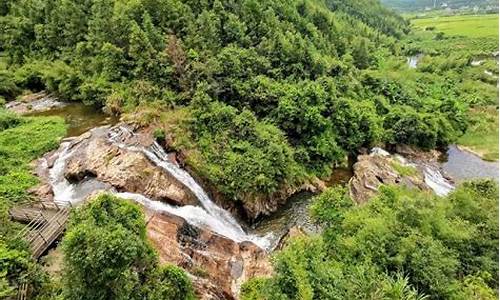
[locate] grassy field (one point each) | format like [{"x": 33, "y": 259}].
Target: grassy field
[
  {"x": 467, "y": 37},
  {"x": 482, "y": 135},
  {"x": 467, "y": 26}
]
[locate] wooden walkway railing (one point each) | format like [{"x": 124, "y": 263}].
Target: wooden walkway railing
[
  {"x": 45, "y": 223},
  {"x": 22, "y": 294}
]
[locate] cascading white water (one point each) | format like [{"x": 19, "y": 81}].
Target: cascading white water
[
  {"x": 413, "y": 61},
  {"x": 432, "y": 177},
  {"x": 435, "y": 180},
  {"x": 211, "y": 215},
  {"x": 208, "y": 215},
  {"x": 63, "y": 190}
]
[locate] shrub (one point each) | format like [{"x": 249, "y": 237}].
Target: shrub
[
  {"x": 159, "y": 134},
  {"x": 8, "y": 119},
  {"x": 107, "y": 256},
  {"x": 446, "y": 247}
]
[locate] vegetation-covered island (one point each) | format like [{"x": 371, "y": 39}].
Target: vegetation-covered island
[{"x": 248, "y": 149}]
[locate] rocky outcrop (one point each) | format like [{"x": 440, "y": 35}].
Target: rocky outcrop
[
  {"x": 37, "y": 102},
  {"x": 380, "y": 168},
  {"x": 217, "y": 264},
  {"x": 415, "y": 154},
  {"x": 265, "y": 205},
  {"x": 92, "y": 157},
  {"x": 127, "y": 171},
  {"x": 257, "y": 206}
]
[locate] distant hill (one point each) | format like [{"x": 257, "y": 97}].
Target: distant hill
[{"x": 414, "y": 5}]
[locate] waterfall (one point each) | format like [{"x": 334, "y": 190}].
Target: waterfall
[
  {"x": 413, "y": 61},
  {"x": 432, "y": 176},
  {"x": 435, "y": 180},
  {"x": 207, "y": 215},
  {"x": 63, "y": 190},
  {"x": 210, "y": 214}
]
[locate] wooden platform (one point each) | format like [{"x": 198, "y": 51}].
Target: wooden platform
[{"x": 44, "y": 224}]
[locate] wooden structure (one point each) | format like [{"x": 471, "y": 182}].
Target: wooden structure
[{"x": 45, "y": 224}]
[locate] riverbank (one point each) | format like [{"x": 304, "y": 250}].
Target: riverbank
[{"x": 481, "y": 138}]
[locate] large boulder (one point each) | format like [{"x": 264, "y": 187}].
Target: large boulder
[
  {"x": 218, "y": 265},
  {"x": 381, "y": 168},
  {"x": 93, "y": 162},
  {"x": 32, "y": 103},
  {"x": 126, "y": 170}
]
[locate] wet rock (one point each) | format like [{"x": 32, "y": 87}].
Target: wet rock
[
  {"x": 265, "y": 205},
  {"x": 378, "y": 168},
  {"x": 218, "y": 265},
  {"x": 36, "y": 102},
  {"x": 93, "y": 156}
]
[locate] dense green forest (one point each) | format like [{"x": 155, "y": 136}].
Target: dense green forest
[{"x": 262, "y": 95}]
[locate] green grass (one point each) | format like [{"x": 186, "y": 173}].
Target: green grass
[
  {"x": 403, "y": 170},
  {"x": 467, "y": 37},
  {"x": 467, "y": 26},
  {"x": 21, "y": 141},
  {"x": 482, "y": 135}
]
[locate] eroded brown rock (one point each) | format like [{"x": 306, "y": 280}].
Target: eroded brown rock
[
  {"x": 217, "y": 264},
  {"x": 371, "y": 171},
  {"x": 36, "y": 102},
  {"x": 127, "y": 171}
]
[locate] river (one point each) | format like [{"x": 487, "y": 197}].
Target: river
[
  {"x": 463, "y": 165},
  {"x": 79, "y": 117},
  {"x": 459, "y": 164}
]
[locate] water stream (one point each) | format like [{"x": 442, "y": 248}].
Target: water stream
[
  {"x": 459, "y": 164},
  {"x": 463, "y": 165},
  {"x": 79, "y": 117},
  {"x": 208, "y": 215},
  {"x": 413, "y": 61}
]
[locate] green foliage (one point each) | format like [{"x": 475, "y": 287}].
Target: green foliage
[
  {"x": 18, "y": 267},
  {"x": 18, "y": 147},
  {"x": 8, "y": 120},
  {"x": 159, "y": 134},
  {"x": 107, "y": 256},
  {"x": 171, "y": 282},
  {"x": 447, "y": 248},
  {"x": 244, "y": 157},
  {"x": 482, "y": 134},
  {"x": 404, "y": 170}
]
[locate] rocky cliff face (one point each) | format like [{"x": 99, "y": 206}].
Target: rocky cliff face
[
  {"x": 217, "y": 264},
  {"x": 265, "y": 205}
]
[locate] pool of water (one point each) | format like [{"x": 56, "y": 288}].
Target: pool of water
[
  {"x": 462, "y": 165},
  {"x": 296, "y": 211},
  {"x": 79, "y": 117}
]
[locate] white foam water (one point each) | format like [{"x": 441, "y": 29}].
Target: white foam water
[
  {"x": 63, "y": 191},
  {"x": 413, "y": 61},
  {"x": 432, "y": 177},
  {"x": 208, "y": 215},
  {"x": 435, "y": 180}
]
